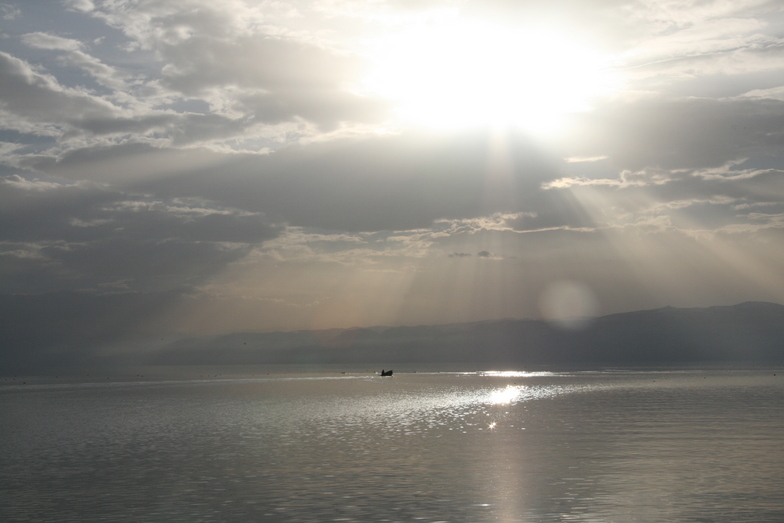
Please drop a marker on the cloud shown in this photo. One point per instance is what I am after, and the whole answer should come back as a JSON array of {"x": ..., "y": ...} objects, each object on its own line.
[
  {"x": 81, "y": 5},
  {"x": 104, "y": 75},
  {"x": 35, "y": 103},
  {"x": 82, "y": 235},
  {"x": 9, "y": 12},
  {"x": 389, "y": 182},
  {"x": 774, "y": 93},
  {"x": 697, "y": 201},
  {"x": 581, "y": 159},
  {"x": 411, "y": 181},
  {"x": 18, "y": 182},
  {"x": 38, "y": 103},
  {"x": 242, "y": 64},
  {"x": 678, "y": 133},
  {"x": 41, "y": 40},
  {"x": 228, "y": 147}
]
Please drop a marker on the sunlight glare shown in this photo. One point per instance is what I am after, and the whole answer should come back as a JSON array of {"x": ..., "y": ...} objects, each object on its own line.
[
  {"x": 452, "y": 74},
  {"x": 514, "y": 373},
  {"x": 505, "y": 396}
]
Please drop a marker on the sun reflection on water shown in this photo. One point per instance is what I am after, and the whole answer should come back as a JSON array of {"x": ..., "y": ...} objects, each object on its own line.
[
  {"x": 514, "y": 374},
  {"x": 506, "y": 395}
]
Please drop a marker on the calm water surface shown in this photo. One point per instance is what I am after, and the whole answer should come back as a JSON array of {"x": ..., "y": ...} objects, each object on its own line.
[{"x": 603, "y": 446}]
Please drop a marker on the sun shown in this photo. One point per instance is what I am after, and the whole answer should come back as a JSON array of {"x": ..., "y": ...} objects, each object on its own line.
[{"x": 468, "y": 73}]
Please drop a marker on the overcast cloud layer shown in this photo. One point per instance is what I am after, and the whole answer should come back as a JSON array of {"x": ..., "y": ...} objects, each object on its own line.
[{"x": 230, "y": 153}]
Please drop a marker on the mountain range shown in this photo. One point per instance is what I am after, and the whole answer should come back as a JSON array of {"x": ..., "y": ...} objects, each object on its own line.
[
  {"x": 65, "y": 335},
  {"x": 750, "y": 333}
]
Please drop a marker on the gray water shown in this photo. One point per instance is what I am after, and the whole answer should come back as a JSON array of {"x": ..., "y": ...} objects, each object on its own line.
[{"x": 593, "y": 446}]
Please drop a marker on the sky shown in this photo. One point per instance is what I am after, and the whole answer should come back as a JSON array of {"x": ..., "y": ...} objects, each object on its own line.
[{"x": 251, "y": 165}]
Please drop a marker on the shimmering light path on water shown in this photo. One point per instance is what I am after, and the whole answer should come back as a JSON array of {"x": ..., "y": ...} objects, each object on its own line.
[{"x": 604, "y": 446}]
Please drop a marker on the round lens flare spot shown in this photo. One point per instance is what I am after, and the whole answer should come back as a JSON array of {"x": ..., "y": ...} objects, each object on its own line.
[{"x": 568, "y": 305}]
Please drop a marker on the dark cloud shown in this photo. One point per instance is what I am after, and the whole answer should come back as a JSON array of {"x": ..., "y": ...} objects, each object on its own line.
[
  {"x": 705, "y": 199},
  {"x": 408, "y": 181},
  {"x": 79, "y": 212},
  {"x": 384, "y": 183},
  {"x": 81, "y": 235},
  {"x": 148, "y": 265},
  {"x": 679, "y": 133}
]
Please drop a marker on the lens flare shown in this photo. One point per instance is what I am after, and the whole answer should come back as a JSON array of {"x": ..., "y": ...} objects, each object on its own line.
[{"x": 568, "y": 305}]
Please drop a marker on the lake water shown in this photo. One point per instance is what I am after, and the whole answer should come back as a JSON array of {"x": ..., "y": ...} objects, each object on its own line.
[{"x": 687, "y": 446}]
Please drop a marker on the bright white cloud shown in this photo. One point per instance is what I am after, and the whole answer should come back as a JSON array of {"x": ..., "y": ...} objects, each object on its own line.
[
  {"x": 18, "y": 182},
  {"x": 41, "y": 40}
]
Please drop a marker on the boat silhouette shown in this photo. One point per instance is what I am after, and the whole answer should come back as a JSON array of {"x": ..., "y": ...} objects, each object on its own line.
[{"x": 386, "y": 372}]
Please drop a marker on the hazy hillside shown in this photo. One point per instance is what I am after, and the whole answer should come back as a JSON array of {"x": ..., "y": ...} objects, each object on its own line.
[
  {"x": 749, "y": 333},
  {"x": 50, "y": 335}
]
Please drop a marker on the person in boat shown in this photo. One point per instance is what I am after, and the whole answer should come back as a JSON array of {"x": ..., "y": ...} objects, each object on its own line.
[{"x": 386, "y": 372}]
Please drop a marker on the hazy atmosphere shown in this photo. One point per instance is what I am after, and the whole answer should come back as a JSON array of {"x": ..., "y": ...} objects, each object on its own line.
[
  {"x": 392, "y": 260},
  {"x": 202, "y": 168}
]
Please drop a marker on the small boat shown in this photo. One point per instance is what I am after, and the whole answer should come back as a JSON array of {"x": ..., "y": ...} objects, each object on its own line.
[{"x": 386, "y": 372}]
